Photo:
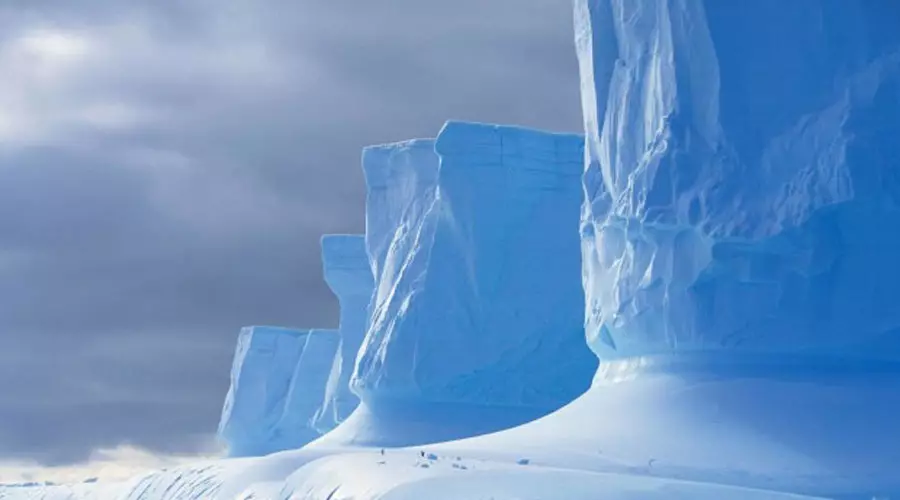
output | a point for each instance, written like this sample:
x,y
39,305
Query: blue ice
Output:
x,y
742,176
477,317
737,190
277,385
307,393
347,272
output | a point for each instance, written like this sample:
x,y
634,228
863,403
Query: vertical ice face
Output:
x,y
347,272
479,299
743,175
264,365
307,391
401,180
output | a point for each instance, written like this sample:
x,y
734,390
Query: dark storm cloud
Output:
x,y
166,170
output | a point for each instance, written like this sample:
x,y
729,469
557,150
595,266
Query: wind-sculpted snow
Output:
x,y
479,300
743,175
347,272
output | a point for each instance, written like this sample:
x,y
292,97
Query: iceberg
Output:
x,y
401,183
477,316
734,270
742,176
262,378
347,273
306,394
288,387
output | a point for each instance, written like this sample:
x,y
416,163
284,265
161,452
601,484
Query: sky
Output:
x,y
167,170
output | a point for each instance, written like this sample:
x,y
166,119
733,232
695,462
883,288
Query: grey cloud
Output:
x,y
173,185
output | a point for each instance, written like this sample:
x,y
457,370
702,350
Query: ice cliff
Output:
x,y
474,242
742,177
308,391
347,272
740,220
401,183
288,387
277,385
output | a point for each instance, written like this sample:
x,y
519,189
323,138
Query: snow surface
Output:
x,y
739,239
278,383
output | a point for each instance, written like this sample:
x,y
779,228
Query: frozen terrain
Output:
x,y
470,334
347,272
264,364
742,176
278,383
307,393
737,277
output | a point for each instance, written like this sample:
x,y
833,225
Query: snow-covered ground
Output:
x,y
653,430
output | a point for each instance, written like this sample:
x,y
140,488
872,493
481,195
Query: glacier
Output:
x,y
306,396
347,272
288,387
732,232
477,317
741,176
274,379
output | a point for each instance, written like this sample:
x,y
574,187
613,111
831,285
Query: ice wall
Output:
x,y
479,299
347,272
264,365
401,182
743,177
307,392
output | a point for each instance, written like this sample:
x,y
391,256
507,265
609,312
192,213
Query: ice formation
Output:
x,y
277,385
479,304
306,395
347,272
401,183
740,236
742,176
288,387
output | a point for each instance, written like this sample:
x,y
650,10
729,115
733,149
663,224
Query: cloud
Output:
x,y
106,465
166,171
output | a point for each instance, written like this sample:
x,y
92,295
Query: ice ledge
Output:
x,y
388,164
346,264
344,251
517,147
728,365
